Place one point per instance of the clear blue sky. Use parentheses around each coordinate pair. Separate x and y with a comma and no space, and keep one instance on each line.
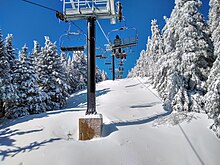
(27,22)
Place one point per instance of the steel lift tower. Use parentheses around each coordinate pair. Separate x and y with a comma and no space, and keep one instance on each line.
(91,10)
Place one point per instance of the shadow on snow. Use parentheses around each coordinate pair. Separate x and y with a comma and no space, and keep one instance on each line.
(6,134)
(6,139)
(112,127)
(147,105)
(73,105)
(79,100)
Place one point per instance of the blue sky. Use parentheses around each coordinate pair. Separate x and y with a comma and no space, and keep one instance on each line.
(27,23)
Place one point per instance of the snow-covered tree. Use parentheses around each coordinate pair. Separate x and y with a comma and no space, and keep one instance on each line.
(72,75)
(77,71)
(81,61)
(64,60)
(104,75)
(9,49)
(80,64)
(98,75)
(7,93)
(190,51)
(140,68)
(212,98)
(214,15)
(52,78)
(30,100)
(36,52)
(81,83)
(155,50)
(214,24)
(146,64)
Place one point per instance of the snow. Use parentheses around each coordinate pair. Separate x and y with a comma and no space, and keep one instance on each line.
(137,131)
(92,116)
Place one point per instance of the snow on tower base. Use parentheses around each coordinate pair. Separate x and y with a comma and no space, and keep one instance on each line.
(90,127)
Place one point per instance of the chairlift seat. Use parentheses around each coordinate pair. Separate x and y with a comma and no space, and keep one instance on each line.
(74,48)
(121,73)
(125,45)
(101,57)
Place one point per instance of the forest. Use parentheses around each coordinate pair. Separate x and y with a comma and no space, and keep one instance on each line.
(182,60)
(40,81)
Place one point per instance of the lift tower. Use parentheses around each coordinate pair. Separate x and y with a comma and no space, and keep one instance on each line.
(90,10)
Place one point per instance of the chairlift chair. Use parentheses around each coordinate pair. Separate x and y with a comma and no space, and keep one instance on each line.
(100,56)
(120,72)
(121,68)
(119,77)
(72,41)
(100,53)
(128,36)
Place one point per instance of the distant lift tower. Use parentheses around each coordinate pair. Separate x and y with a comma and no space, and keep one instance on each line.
(90,10)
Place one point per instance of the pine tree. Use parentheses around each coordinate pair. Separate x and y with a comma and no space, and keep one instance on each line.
(155,49)
(189,51)
(104,75)
(36,52)
(212,97)
(72,75)
(214,15)
(52,78)
(153,54)
(140,69)
(212,103)
(81,61)
(7,93)
(64,59)
(80,70)
(9,49)
(81,84)
(98,75)
(30,99)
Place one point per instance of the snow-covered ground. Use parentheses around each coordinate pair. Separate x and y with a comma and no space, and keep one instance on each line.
(137,131)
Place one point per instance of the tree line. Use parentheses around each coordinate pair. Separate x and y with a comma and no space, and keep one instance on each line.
(182,60)
(39,81)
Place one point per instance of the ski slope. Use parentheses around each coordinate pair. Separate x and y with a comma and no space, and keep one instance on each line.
(137,131)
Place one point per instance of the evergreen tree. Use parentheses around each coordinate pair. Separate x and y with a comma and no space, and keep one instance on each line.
(81,61)
(214,15)
(52,78)
(64,59)
(104,75)
(10,50)
(80,67)
(72,75)
(36,52)
(190,52)
(155,49)
(7,94)
(212,98)
(30,100)
(214,24)
(140,69)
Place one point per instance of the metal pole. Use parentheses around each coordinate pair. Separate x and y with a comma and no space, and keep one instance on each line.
(91,66)
(113,67)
